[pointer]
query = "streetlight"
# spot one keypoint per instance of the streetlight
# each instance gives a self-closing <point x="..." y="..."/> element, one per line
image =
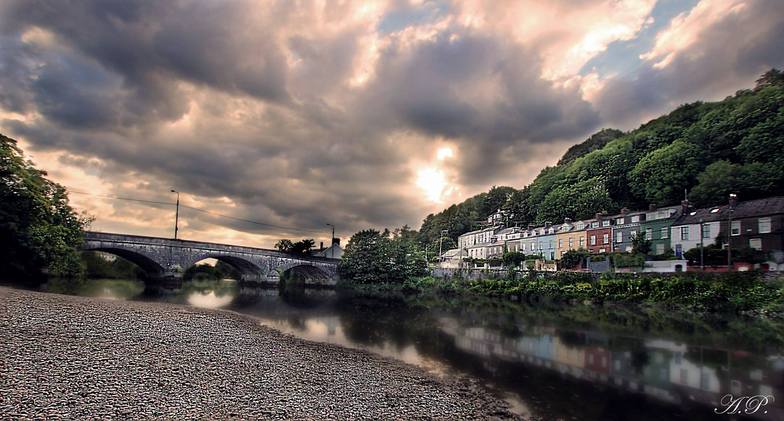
<point x="176" y="213"/>
<point x="733" y="196"/>
<point x="702" y="244"/>
<point x="441" y="243"/>
<point x="332" y="242"/>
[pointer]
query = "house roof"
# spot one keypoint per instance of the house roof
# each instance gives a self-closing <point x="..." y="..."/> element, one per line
<point x="747" y="209"/>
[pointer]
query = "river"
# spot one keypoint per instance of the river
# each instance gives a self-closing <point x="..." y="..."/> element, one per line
<point x="550" y="362"/>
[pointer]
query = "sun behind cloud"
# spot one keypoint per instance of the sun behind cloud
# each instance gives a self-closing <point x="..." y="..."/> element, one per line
<point x="433" y="183"/>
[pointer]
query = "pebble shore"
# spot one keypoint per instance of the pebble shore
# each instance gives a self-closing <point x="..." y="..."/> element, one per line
<point x="65" y="357"/>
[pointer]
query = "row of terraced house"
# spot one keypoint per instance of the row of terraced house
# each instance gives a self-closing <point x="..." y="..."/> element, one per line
<point x="753" y="224"/>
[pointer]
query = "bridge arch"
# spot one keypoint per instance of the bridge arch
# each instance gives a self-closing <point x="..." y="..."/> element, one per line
<point x="149" y="265"/>
<point x="311" y="274"/>
<point x="249" y="269"/>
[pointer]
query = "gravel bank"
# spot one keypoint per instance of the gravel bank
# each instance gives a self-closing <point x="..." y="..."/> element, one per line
<point x="75" y="357"/>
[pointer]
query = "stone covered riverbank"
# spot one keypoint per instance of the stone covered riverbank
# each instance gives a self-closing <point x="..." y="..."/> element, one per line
<point x="74" y="357"/>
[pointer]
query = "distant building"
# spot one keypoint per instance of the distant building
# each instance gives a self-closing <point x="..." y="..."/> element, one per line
<point x="657" y="224"/>
<point x="626" y="226"/>
<point x="332" y="252"/>
<point x="598" y="234"/>
<point x="570" y="236"/>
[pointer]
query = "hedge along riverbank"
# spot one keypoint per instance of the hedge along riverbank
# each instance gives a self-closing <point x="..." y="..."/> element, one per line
<point x="740" y="292"/>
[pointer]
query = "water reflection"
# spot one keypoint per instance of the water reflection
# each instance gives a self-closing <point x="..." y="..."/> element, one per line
<point x="577" y="363"/>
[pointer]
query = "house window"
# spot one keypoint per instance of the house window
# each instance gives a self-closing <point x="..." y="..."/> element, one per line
<point x="649" y="234"/>
<point x="755" y="243"/>
<point x="582" y="242"/>
<point x="619" y="237"/>
<point x="594" y="224"/>
<point x="605" y="239"/>
<point x="571" y="243"/>
<point x="764" y="225"/>
<point x="684" y="233"/>
<point x="602" y="250"/>
<point x="635" y="218"/>
<point x="619" y="221"/>
<point x="659" y="248"/>
<point x="560" y="242"/>
<point x="735" y="230"/>
<point x="706" y="231"/>
<point x="606" y="223"/>
<point x="593" y="240"/>
<point x="665" y="233"/>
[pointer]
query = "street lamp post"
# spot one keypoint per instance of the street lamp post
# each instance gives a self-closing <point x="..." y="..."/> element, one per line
<point x="332" y="242"/>
<point x="441" y="244"/>
<point x="702" y="251"/>
<point x="729" y="231"/>
<point x="176" y="213"/>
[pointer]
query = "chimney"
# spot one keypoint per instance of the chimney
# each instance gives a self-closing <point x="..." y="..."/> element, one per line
<point x="598" y="216"/>
<point x="321" y="245"/>
<point x="336" y="241"/>
<point x="547" y="224"/>
<point x="567" y="220"/>
<point x="651" y="207"/>
<point x="530" y="227"/>
<point x="624" y="211"/>
<point x="733" y="200"/>
<point x="685" y="205"/>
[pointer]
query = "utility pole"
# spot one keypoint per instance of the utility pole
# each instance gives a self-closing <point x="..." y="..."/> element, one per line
<point x="729" y="232"/>
<point x="176" y="214"/>
<point x="332" y="242"/>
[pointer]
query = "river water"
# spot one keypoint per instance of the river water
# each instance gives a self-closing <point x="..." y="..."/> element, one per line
<point x="547" y="361"/>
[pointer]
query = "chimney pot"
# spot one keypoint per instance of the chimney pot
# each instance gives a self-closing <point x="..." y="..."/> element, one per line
<point x="624" y="211"/>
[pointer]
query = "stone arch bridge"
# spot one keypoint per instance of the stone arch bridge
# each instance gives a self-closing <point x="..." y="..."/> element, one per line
<point x="167" y="259"/>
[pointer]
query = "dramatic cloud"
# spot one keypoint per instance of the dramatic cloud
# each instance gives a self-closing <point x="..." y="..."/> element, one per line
<point x="361" y="114"/>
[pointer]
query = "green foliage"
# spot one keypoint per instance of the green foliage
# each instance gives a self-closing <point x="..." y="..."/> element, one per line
<point x="626" y="260"/>
<point x="575" y="200"/>
<point x="513" y="258"/>
<point x="662" y="175"/>
<point x="574" y="259"/>
<point x="706" y="148"/>
<point x="206" y="271"/>
<point x="641" y="244"/>
<point x="597" y="141"/>
<point x="373" y="257"/>
<point x="40" y="232"/>
<point x="740" y="292"/>
<point x="98" y="267"/>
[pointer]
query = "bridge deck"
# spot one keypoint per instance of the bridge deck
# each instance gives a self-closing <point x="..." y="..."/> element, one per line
<point x="141" y="239"/>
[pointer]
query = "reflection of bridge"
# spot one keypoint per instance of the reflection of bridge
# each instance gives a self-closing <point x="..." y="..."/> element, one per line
<point x="164" y="258"/>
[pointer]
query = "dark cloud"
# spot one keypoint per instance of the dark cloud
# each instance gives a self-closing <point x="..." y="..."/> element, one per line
<point x="250" y="108"/>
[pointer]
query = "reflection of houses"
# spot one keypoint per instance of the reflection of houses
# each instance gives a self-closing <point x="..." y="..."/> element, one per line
<point x="662" y="369"/>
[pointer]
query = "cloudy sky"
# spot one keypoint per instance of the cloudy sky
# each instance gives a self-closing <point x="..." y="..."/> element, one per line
<point x="296" y="114"/>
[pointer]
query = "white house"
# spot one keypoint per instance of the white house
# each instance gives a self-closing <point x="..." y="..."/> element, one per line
<point x="685" y="231"/>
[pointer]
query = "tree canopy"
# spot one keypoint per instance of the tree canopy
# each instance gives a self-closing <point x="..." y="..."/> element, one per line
<point x="41" y="233"/>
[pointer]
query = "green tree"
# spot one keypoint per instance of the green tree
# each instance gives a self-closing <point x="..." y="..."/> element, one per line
<point x="640" y="244"/>
<point x="662" y="175"/>
<point x="41" y="234"/>
<point x="573" y="259"/>
<point x="366" y="258"/>
<point x="577" y="200"/>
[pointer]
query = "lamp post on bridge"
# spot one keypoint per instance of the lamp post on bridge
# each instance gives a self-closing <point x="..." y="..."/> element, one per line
<point x="176" y="213"/>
